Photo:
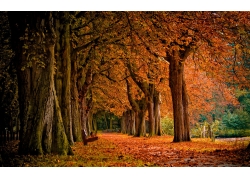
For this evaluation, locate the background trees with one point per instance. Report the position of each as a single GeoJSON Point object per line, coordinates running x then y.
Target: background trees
{"type": "Point", "coordinates": [8, 80]}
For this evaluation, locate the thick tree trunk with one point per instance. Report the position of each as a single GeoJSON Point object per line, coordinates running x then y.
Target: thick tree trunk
{"type": "Point", "coordinates": [186, 135]}
{"type": "Point", "coordinates": [63, 74]}
{"type": "Point", "coordinates": [127, 117]}
{"type": "Point", "coordinates": [179, 96]}
{"type": "Point", "coordinates": [151, 118]}
{"type": "Point", "coordinates": [130, 122]}
{"type": "Point", "coordinates": [137, 122]}
{"type": "Point", "coordinates": [60, 144]}
{"type": "Point", "coordinates": [40, 111]}
{"type": "Point", "coordinates": [142, 124]}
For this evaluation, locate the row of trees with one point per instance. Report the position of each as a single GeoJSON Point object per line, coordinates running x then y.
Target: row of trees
{"type": "Point", "coordinates": [71, 64]}
{"type": "Point", "coordinates": [8, 79]}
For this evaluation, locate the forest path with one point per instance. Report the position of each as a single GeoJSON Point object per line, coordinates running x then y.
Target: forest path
{"type": "Point", "coordinates": [119, 150]}
{"type": "Point", "coordinates": [160, 151]}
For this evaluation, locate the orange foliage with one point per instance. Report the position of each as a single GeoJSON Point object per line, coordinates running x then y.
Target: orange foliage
{"type": "Point", "coordinates": [206, 93]}
{"type": "Point", "coordinates": [217, 40]}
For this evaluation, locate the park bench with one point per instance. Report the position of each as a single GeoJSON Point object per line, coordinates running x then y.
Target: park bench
{"type": "Point", "coordinates": [87, 139]}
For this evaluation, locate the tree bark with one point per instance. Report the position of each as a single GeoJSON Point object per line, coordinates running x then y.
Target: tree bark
{"type": "Point", "coordinates": [123, 123]}
{"type": "Point", "coordinates": [132, 122]}
{"type": "Point", "coordinates": [157, 113]}
{"type": "Point", "coordinates": [83, 87]}
{"type": "Point", "coordinates": [75, 111]}
{"type": "Point", "coordinates": [179, 95]}
{"type": "Point", "coordinates": [137, 122]}
{"type": "Point", "coordinates": [151, 119]}
{"type": "Point", "coordinates": [185, 111]}
{"type": "Point", "coordinates": [142, 123]}
{"type": "Point", "coordinates": [148, 90]}
{"type": "Point", "coordinates": [63, 73]}
{"type": "Point", "coordinates": [139, 107]}
{"type": "Point", "coordinates": [149, 93]}
{"type": "Point", "coordinates": [128, 122]}
{"type": "Point", "coordinates": [40, 112]}
{"type": "Point", "coordinates": [90, 121]}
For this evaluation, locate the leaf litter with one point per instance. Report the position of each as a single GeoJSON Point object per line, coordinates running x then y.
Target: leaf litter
{"type": "Point", "coordinates": [119, 150]}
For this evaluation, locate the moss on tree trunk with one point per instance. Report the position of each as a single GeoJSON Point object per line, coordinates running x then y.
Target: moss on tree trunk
{"type": "Point", "coordinates": [63, 73]}
{"type": "Point", "coordinates": [33, 39]}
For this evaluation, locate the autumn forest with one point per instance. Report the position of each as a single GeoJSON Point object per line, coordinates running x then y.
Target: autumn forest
{"type": "Point", "coordinates": [124, 78]}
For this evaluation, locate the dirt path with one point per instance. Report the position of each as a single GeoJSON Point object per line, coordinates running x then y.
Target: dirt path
{"type": "Point", "coordinates": [234, 139]}
{"type": "Point", "coordinates": [199, 153]}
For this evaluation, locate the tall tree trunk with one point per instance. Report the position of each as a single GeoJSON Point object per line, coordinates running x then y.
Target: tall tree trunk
{"type": "Point", "coordinates": [151, 119]}
{"type": "Point", "coordinates": [84, 115]}
{"type": "Point", "coordinates": [185, 111]}
{"type": "Point", "coordinates": [90, 121]}
{"type": "Point", "coordinates": [149, 93]}
{"type": "Point", "coordinates": [40, 111]}
{"type": "Point", "coordinates": [88, 108]}
{"type": "Point", "coordinates": [137, 122]}
{"type": "Point", "coordinates": [83, 87]}
{"type": "Point", "coordinates": [157, 113]}
{"type": "Point", "coordinates": [142, 124]}
{"type": "Point", "coordinates": [63, 74]}
{"type": "Point", "coordinates": [179, 97]}
{"type": "Point", "coordinates": [132, 122]}
{"type": "Point", "coordinates": [148, 90]}
{"type": "Point", "coordinates": [128, 121]}
{"type": "Point", "coordinates": [139, 107]}
{"type": "Point", "coordinates": [75, 111]}
{"type": "Point", "coordinates": [60, 144]}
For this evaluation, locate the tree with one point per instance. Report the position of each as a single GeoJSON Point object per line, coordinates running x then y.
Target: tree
{"type": "Point", "coordinates": [139, 108]}
{"type": "Point", "coordinates": [63, 71]}
{"type": "Point", "coordinates": [93, 35]}
{"type": "Point", "coordinates": [33, 40]}
{"type": "Point", "coordinates": [9, 109]}
{"type": "Point", "coordinates": [174, 36]}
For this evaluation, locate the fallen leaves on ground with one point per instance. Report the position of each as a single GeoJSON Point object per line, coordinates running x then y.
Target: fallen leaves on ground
{"type": "Point", "coordinates": [117, 150]}
{"type": "Point", "coordinates": [161, 151]}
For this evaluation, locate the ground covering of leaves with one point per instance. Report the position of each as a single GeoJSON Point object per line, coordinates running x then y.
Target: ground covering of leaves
{"type": "Point", "coordinates": [114, 149]}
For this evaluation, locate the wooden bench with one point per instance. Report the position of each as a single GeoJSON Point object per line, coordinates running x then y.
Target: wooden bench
{"type": "Point", "coordinates": [87, 139]}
